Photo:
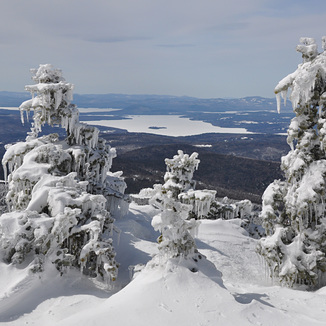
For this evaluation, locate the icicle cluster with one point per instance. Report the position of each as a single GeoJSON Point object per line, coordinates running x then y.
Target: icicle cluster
{"type": "Point", "coordinates": [200, 200]}
{"type": "Point", "coordinates": [90, 156]}
{"type": "Point", "coordinates": [306, 78]}
{"type": "Point", "coordinates": [294, 210]}
{"type": "Point", "coordinates": [227, 209]}
{"type": "Point", "coordinates": [180, 170]}
{"type": "Point", "coordinates": [180, 186]}
{"type": "Point", "coordinates": [61, 194]}
{"type": "Point", "coordinates": [62, 224]}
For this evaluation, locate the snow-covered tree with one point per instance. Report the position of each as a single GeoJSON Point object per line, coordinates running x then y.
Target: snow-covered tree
{"type": "Point", "coordinates": [293, 210]}
{"type": "Point", "coordinates": [179, 183]}
{"type": "Point", "coordinates": [227, 209]}
{"type": "Point", "coordinates": [61, 195]}
{"type": "Point", "coordinates": [177, 230]}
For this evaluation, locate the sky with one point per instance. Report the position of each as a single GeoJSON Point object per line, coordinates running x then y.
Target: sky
{"type": "Point", "coordinates": [205, 49]}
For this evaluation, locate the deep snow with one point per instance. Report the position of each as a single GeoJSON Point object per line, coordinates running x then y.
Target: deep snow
{"type": "Point", "coordinates": [230, 288]}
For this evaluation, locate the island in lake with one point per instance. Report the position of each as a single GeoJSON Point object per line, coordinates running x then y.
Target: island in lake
{"type": "Point", "coordinates": [156, 128]}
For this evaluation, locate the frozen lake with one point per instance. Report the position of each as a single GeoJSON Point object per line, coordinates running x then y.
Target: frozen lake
{"type": "Point", "coordinates": [168, 125]}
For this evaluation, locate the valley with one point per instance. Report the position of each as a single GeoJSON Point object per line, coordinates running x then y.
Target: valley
{"type": "Point", "coordinates": [237, 165]}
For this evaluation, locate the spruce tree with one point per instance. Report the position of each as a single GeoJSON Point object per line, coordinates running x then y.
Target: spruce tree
{"type": "Point", "coordinates": [61, 196]}
{"type": "Point", "coordinates": [177, 230]}
{"type": "Point", "coordinates": [293, 210]}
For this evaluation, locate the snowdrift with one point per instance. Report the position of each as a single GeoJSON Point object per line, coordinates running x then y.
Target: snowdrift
{"type": "Point", "coordinates": [229, 288]}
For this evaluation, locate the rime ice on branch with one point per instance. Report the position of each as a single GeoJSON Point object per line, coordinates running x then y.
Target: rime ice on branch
{"type": "Point", "coordinates": [61, 193]}
{"type": "Point", "coordinates": [178, 201]}
{"type": "Point", "coordinates": [294, 210]}
{"type": "Point", "coordinates": [181, 186]}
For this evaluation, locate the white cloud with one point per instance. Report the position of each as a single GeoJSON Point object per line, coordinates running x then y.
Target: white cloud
{"type": "Point", "coordinates": [202, 48]}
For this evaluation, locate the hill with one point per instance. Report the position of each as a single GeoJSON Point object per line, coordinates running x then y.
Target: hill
{"type": "Point", "coordinates": [232, 176]}
{"type": "Point", "coordinates": [155, 104]}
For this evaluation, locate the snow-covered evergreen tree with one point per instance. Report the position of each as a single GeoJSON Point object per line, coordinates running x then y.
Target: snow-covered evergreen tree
{"type": "Point", "coordinates": [293, 210]}
{"type": "Point", "coordinates": [179, 183]}
{"type": "Point", "coordinates": [228, 209]}
{"type": "Point", "coordinates": [177, 230]}
{"type": "Point", "coordinates": [61, 193]}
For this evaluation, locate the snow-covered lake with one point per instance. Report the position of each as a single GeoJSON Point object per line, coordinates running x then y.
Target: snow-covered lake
{"type": "Point", "coordinates": [8, 108]}
{"type": "Point", "coordinates": [168, 125]}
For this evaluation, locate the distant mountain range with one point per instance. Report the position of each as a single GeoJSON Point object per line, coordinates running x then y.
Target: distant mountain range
{"type": "Point", "coordinates": [157, 104]}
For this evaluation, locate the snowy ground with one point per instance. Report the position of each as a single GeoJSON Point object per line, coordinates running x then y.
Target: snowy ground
{"type": "Point", "coordinates": [230, 287]}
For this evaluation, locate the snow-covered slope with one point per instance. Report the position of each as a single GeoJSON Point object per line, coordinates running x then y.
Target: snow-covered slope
{"type": "Point", "coordinates": [229, 288]}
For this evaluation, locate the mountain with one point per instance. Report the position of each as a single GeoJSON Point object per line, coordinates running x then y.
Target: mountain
{"type": "Point", "coordinates": [13, 99]}
{"type": "Point", "coordinates": [165, 104]}
{"type": "Point", "coordinates": [156, 104]}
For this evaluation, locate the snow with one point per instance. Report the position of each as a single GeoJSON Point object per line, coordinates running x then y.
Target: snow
{"type": "Point", "coordinates": [230, 287]}
{"type": "Point", "coordinates": [58, 211]}
{"type": "Point", "coordinates": [293, 212]}
{"type": "Point", "coordinates": [202, 272]}
{"type": "Point", "coordinates": [170, 125]}
{"type": "Point", "coordinates": [301, 82]}
{"type": "Point", "coordinates": [8, 108]}
{"type": "Point", "coordinates": [103, 111]}
{"type": "Point", "coordinates": [247, 122]}
{"type": "Point", "coordinates": [207, 145]}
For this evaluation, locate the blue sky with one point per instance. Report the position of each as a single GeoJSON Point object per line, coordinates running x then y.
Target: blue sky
{"type": "Point", "coordinates": [207, 48]}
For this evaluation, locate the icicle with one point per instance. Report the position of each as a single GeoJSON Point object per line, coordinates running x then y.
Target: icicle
{"type": "Point", "coordinates": [284, 94]}
{"type": "Point", "coordinates": [57, 99]}
{"type": "Point", "coordinates": [5, 171]}
{"type": "Point", "coordinates": [278, 101]}
{"type": "Point", "coordinates": [71, 125]}
{"type": "Point", "coordinates": [10, 166]}
{"type": "Point", "coordinates": [69, 96]}
{"type": "Point", "coordinates": [22, 116]}
{"type": "Point", "coordinates": [131, 272]}
{"type": "Point", "coordinates": [316, 212]}
{"type": "Point", "coordinates": [77, 134]}
{"type": "Point", "coordinates": [49, 118]}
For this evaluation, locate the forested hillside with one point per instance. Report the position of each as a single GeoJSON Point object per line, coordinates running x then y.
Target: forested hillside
{"type": "Point", "coordinates": [232, 176]}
